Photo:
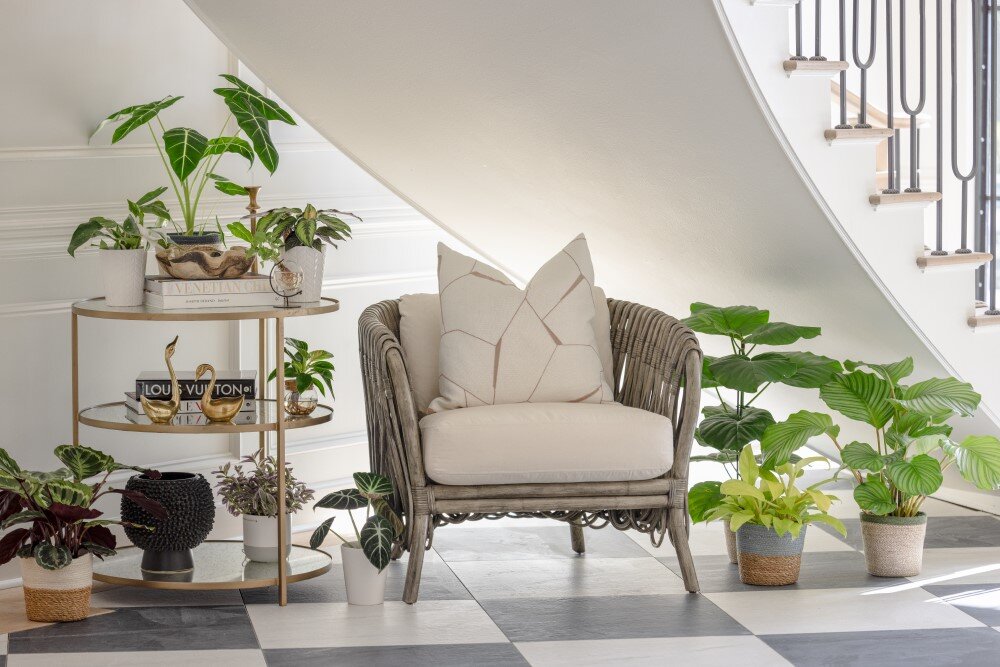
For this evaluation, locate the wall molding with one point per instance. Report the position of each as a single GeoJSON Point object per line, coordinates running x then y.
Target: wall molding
{"type": "Point", "coordinates": [137, 150]}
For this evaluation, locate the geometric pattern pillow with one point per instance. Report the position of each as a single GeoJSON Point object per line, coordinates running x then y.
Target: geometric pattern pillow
{"type": "Point", "coordinates": [503, 344]}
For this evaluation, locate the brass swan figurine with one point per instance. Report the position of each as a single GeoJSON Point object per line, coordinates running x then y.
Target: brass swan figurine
{"type": "Point", "coordinates": [216, 409]}
{"type": "Point", "coordinates": [161, 412]}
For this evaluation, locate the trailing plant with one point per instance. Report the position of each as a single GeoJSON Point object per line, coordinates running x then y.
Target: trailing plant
{"type": "Point", "coordinates": [770, 498]}
{"type": "Point", "coordinates": [382, 526]}
{"type": "Point", "coordinates": [190, 158]}
{"type": "Point", "coordinates": [309, 368]}
{"type": "Point", "coordinates": [53, 511]}
{"type": "Point", "coordinates": [912, 445]}
{"type": "Point", "coordinates": [132, 233]}
{"type": "Point", "coordinates": [255, 492]}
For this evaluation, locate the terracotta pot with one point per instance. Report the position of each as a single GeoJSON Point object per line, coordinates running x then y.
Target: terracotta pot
{"type": "Point", "coordinates": [55, 596]}
{"type": "Point", "coordinates": [894, 545]}
{"type": "Point", "coordinates": [767, 559]}
{"type": "Point", "coordinates": [365, 584]}
{"type": "Point", "coordinates": [730, 542]}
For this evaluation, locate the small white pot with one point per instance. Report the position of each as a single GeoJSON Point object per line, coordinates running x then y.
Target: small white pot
{"type": "Point", "coordinates": [365, 584]}
{"type": "Point", "coordinates": [124, 275]}
{"type": "Point", "coordinates": [260, 538]}
{"type": "Point", "coordinates": [311, 262]}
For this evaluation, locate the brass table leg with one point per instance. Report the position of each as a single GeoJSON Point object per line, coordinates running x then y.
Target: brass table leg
{"type": "Point", "coordinates": [279, 356]}
{"type": "Point", "coordinates": [75, 354]}
{"type": "Point", "coordinates": [262, 375]}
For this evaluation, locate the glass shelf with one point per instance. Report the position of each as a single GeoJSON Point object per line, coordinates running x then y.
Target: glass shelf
{"type": "Point", "coordinates": [217, 565]}
{"type": "Point", "coordinates": [99, 309]}
{"type": "Point", "coordinates": [116, 417]}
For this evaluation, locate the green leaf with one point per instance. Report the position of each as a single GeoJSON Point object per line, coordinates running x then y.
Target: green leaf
{"type": "Point", "coordinates": [812, 371]}
{"type": "Point", "coordinates": [346, 499]}
{"type": "Point", "coordinates": [67, 492]}
{"type": "Point", "coordinates": [743, 373]}
{"type": "Point", "coordinates": [892, 373]}
{"type": "Point", "coordinates": [837, 524]}
{"type": "Point", "coordinates": [140, 115]}
{"type": "Point", "coordinates": [185, 148]}
{"type": "Point", "coordinates": [322, 530]}
{"type": "Point", "coordinates": [270, 108]}
{"type": "Point", "coordinates": [874, 496]}
{"type": "Point", "coordinates": [703, 497]}
{"type": "Point", "coordinates": [781, 440]}
{"type": "Point", "coordinates": [252, 121]}
{"type": "Point", "coordinates": [919, 476]}
{"type": "Point", "coordinates": [226, 186]}
{"type": "Point", "coordinates": [724, 430]}
{"type": "Point", "coordinates": [150, 196]}
{"type": "Point", "coordinates": [781, 333]}
{"type": "Point", "coordinates": [733, 321]}
{"type": "Point", "coordinates": [24, 516]}
{"type": "Point", "coordinates": [84, 462]}
{"type": "Point", "coordinates": [373, 485]}
{"type": "Point", "coordinates": [84, 233]}
{"type": "Point", "coordinates": [724, 456]}
{"type": "Point", "coordinates": [234, 145]}
{"type": "Point", "coordinates": [8, 465]}
{"type": "Point", "coordinates": [860, 396]}
{"type": "Point", "coordinates": [383, 509]}
{"type": "Point", "coordinates": [98, 550]}
{"type": "Point", "coordinates": [240, 231]}
{"type": "Point", "coordinates": [747, 467]}
{"type": "Point", "coordinates": [939, 394]}
{"type": "Point", "coordinates": [978, 460]}
{"type": "Point", "coordinates": [377, 537]}
{"type": "Point", "coordinates": [739, 488]}
{"type": "Point", "coordinates": [708, 380]}
{"type": "Point", "coordinates": [862, 456]}
{"type": "Point", "coordinates": [924, 444]}
{"type": "Point", "coordinates": [52, 557]}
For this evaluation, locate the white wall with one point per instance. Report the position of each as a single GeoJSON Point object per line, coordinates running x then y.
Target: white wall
{"type": "Point", "coordinates": [66, 66]}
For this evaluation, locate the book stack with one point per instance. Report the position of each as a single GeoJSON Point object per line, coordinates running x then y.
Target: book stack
{"type": "Point", "coordinates": [249, 290]}
{"type": "Point", "coordinates": [156, 385]}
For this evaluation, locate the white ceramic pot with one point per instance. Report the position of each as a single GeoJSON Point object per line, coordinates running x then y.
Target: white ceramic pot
{"type": "Point", "coordinates": [365, 584]}
{"type": "Point", "coordinates": [260, 538]}
{"type": "Point", "coordinates": [311, 262]}
{"type": "Point", "coordinates": [53, 596]}
{"type": "Point", "coordinates": [124, 275]}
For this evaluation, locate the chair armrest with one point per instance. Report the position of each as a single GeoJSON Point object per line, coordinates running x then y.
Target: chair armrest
{"type": "Point", "coordinates": [657, 367]}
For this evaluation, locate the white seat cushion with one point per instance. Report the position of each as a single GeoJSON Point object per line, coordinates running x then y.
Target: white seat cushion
{"type": "Point", "coordinates": [543, 443]}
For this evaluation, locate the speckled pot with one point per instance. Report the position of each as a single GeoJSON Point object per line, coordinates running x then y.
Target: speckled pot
{"type": "Point", "coordinates": [894, 545]}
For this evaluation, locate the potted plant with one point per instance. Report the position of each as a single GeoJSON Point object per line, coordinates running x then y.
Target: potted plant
{"type": "Point", "coordinates": [254, 496]}
{"type": "Point", "coordinates": [306, 371]}
{"type": "Point", "coordinates": [300, 234]}
{"type": "Point", "coordinates": [736, 422]}
{"type": "Point", "coordinates": [769, 515]}
{"type": "Point", "coordinates": [912, 448]}
{"type": "Point", "coordinates": [366, 557]}
{"type": "Point", "coordinates": [55, 530]}
{"type": "Point", "coordinates": [122, 247]}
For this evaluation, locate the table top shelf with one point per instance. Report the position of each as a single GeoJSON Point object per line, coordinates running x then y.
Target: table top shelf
{"type": "Point", "coordinates": [99, 309]}
{"type": "Point", "coordinates": [115, 416]}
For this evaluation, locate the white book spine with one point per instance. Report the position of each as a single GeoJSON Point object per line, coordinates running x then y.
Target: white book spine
{"type": "Point", "coordinates": [202, 287]}
{"type": "Point", "coordinates": [212, 300]}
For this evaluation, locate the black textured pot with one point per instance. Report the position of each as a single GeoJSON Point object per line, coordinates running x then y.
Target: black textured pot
{"type": "Point", "coordinates": [190, 505]}
{"type": "Point", "coordinates": [198, 238]}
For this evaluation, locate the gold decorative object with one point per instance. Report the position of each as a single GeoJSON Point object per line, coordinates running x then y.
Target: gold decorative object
{"type": "Point", "coordinates": [203, 262]}
{"type": "Point", "coordinates": [161, 412]}
{"type": "Point", "coordinates": [216, 409]}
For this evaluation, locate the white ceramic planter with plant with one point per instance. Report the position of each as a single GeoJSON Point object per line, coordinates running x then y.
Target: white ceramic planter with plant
{"type": "Point", "coordinates": [366, 557]}
{"type": "Point", "coordinates": [253, 494]}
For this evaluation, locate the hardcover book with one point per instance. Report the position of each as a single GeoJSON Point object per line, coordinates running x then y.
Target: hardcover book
{"type": "Point", "coordinates": [248, 284]}
{"type": "Point", "coordinates": [190, 419]}
{"type": "Point", "coordinates": [187, 407]}
{"type": "Point", "coordinates": [248, 299]}
{"type": "Point", "coordinates": [156, 384]}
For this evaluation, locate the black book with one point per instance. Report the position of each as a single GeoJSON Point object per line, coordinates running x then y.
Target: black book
{"type": "Point", "coordinates": [156, 385]}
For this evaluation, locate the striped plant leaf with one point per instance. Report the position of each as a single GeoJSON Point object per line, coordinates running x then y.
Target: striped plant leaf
{"type": "Point", "coordinates": [933, 396]}
{"type": "Point", "coordinates": [346, 499]}
{"type": "Point", "coordinates": [860, 396]}
{"type": "Point", "coordinates": [812, 370]}
{"type": "Point", "coordinates": [185, 149]}
{"type": "Point", "coordinates": [254, 124]}
{"type": "Point", "coordinates": [227, 187]}
{"type": "Point", "coordinates": [377, 537]}
{"type": "Point", "coordinates": [862, 456]}
{"type": "Point", "coordinates": [141, 115]}
{"type": "Point", "coordinates": [52, 557]}
{"type": "Point", "coordinates": [893, 372]}
{"type": "Point", "coordinates": [734, 321]}
{"type": "Point", "coordinates": [233, 145]}
{"type": "Point", "coordinates": [723, 430]}
{"type": "Point", "coordinates": [383, 509]}
{"type": "Point", "coordinates": [66, 492]}
{"type": "Point", "coordinates": [270, 108]}
{"type": "Point", "coordinates": [919, 476]}
{"type": "Point", "coordinates": [24, 516]}
{"type": "Point", "coordinates": [8, 465]}
{"type": "Point", "coordinates": [978, 460]}
{"type": "Point", "coordinates": [373, 485]}
{"type": "Point", "coordinates": [318, 535]}
{"type": "Point", "coordinates": [874, 497]}
{"type": "Point", "coordinates": [781, 333]}
{"type": "Point", "coordinates": [84, 462]}
{"type": "Point", "coordinates": [747, 374]}
{"type": "Point", "coordinates": [781, 440]}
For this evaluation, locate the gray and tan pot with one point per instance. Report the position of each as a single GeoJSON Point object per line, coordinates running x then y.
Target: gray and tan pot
{"type": "Point", "coordinates": [894, 545]}
{"type": "Point", "coordinates": [730, 542]}
{"type": "Point", "coordinates": [767, 559]}
{"type": "Point", "coordinates": [57, 596]}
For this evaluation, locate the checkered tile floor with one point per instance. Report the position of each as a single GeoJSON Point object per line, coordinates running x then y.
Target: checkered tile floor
{"type": "Point", "coordinates": [513, 593]}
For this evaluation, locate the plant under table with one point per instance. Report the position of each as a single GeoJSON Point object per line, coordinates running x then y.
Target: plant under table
{"type": "Point", "coordinates": [218, 565]}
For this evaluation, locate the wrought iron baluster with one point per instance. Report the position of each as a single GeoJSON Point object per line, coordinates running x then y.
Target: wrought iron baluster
{"type": "Point", "coordinates": [964, 178]}
{"type": "Point", "coordinates": [818, 21]}
{"type": "Point", "coordinates": [798, 32]}
{"type": "Point", "coordinates": [863, 65]}
{"type": "Point", "coordinates": [893, 184]}
{"type": "Point", "coordinates": [992, 229]}
{"type": "Point", "coordinates": [843, 124]}
{"type": "Point", "coordinates": [916, 109]}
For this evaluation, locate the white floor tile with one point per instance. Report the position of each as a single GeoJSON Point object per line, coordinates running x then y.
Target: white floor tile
{"type": "Point", "coordinates": [973, 565]}
{"type": "Point", "coordinates": [745, 651]}
{"type": "Point", "coordinates": [839, 610]}
{"type": "Point", "coordinates": [557, 578]}
{"type": "Point", "coordinates": [3, 644]}
{"type": "Point", "coordinates": [935, 507]}
{"type": "Point", "coordinates": [314, 625]}
{"type": "Point", "coordinates": [241, 658]}
{"type": "Point", "coordinates": [707, 539]}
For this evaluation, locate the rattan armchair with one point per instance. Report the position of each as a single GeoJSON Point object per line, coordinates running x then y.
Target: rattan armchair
{"type": "Point", "coordinates": [657, 367]}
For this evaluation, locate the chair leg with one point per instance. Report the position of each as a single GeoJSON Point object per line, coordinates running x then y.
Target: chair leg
{"type": "Point", "coordinates": [418, 542]}
{"type": "Point", "coordinates": [576, 537]}
{"type": "Point", "coordinates": [677, 527]}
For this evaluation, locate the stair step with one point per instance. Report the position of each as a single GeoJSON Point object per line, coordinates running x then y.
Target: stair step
{"type": "Point", "coordinates": [857, 135]}
{"type": "Point", "coordinates": [904, 199]}
{"type": "Point", "coordinates": [813, 67]}
{"type": "Point", "coordinates": [953, 261]}
{"type": "Point", "coordinates": [983, 321]}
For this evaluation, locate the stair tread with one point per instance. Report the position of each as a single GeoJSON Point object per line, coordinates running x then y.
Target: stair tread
{"type": "Point", "coordinates": [814, 66]}
{"type": "Point", "coordinates": [857, 133]}
{"type": "Point", "coordinates": [971, 259]}
{"type": "Point", "coordinates": [983, 320]}
{"type": "Point", "coordinates": [882, 199]}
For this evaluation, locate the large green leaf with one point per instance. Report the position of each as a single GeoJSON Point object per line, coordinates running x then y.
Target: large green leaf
{"type": "Point", "coordinates": [862, 456]}
{"type": "Point", "coordinates": [227, 187]}
{"type": "Point", "coordinates": [919, 476]}
{"type": "Point", "coordinates": [860, 396]}
{"type": "Point", "coordinates": [812, 371]}
{"type": "Point", "coordinates": [702, 498]}
{"type": "Point", "coordinates": [185, 148]}
{"type": "Point", "coordinates": [781, 333]}
{"type": "Point", "coordinates": [708, 380]}
{"type": "Point", "coordinates": [743, 373]}
{"type": "Point", "coordinates": [346, 499]}
{"type": "Point", "coordinates": [139, 116]}
{"type": "Point", "coordinates": [24, 516]}
{"type": "Point", "coordinates": [84, 462]}
{"type": "Point", "coordinates": [893, 372]}
{"type": "Point", "coordinates": [874, 496]}
{"type": "Point", "coordinates": [373, 485]}
{"type": "Point", "coordinates": [978, 460]}
{"type": "Point", "coordinates": [318, 535]}
{"type": "Point", "coordinates": [735, 321]}
{"type": "Point", "coordinates": [52, 557]}
{"type": "Point", "coordinates": [384, 510]}
{"type": "Point", "coordinates": [270, 108]}
{"type": "Point", "coordinates": [377, 537]}
{"type": "Point", "coordinates": [84, 233]}
{"type": "Point", "coordinates": [67, 492]}
{"type": "Point", "coordinates": [738, 487]}
{"type": "Point", "coordinates": [233, 145]}
{"type": "Point", "coordinates": [254, 124]}
{"type": "Point", "coordinates": [722, 429]}
{"type": "Point", "coordinates": [782, 439]}
{"type": "Point", "coordinates": [8, 465]}
{"type": "Point", "coordinates": [940, 394]}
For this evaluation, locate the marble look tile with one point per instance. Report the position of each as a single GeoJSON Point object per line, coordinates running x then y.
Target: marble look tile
{"type": "Point", "coordinates": [840, 610]}
{"type": "Point", "coordinates": [13, 617]}
{"type": "Point", "coordinates": [968, 647]}
{"type": "Point", "coordinates": [707, 539]}
{"type": "Point", "coordinates": [460, 543]}
{"type": "Point", "coordinates": [143, 629]}
{"type": "Point", "coordinates": [130, 596]}
{"type": "Point", "coordinates": [3, 644]}
{"type": "Point", "coordinates": [443, 655]}
{"type": "Point", "coordinates": [216, 658]}
{"type": "Point", "coordinates": [746, 651]}
{"type": "Point", "coordinates": [981, 602]}
{"type": "Point", "coordinates": [618, 617]}
{"type": "Point", "coordinates": [567, 578]}
{"type": "Point", "coordinates": [317, 625]}
{"type": "Point", "coordinates": [960, 566]}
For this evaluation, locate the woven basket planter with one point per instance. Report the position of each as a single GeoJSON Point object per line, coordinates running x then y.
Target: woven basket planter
{"type": "Point", "coordinates": [767, 559]}
{"type": "Point", "coordinates": [730, 542]}
{"type": "Point", "coordinates": [894, 545]}
{"type": "Point", "coordinates": [55, 596]}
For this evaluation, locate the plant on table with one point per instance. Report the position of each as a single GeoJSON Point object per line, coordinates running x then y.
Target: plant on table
{"type": "Point", "coordinates": [132, 233]}
{"type": "Point", "coordinates": [306, 371]}
{"type": "Point", "coordinates": [255, 491]}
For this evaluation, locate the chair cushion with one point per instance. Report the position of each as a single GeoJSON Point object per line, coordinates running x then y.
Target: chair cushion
{"type": "Point", "coordinates": [420, 338]}
{"type": "Point", "coordinates": [542, 443]}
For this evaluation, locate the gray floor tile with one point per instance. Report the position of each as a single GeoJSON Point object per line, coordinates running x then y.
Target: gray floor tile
{"type": "Point", "coordinates": [461, 543]}
{"type": "Point", "coordinates": [980, 601]}
{"type": "Point", "coordinates": [970, 647]}
{"type": "Point", "coordinates": [143, 629]}
{"type": "Point", "coordinates": [130, 596]}
{"type": "Point", "coordinates": [554, 619]}
{"type": "Point", "coordinates": [943, 532]}
{"type": "Point", "coordinates": [443, 655]}
{"type": "Point", "coordinates": [437, 582]}
{"type": "Point", "coordinates": [820, 569]}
